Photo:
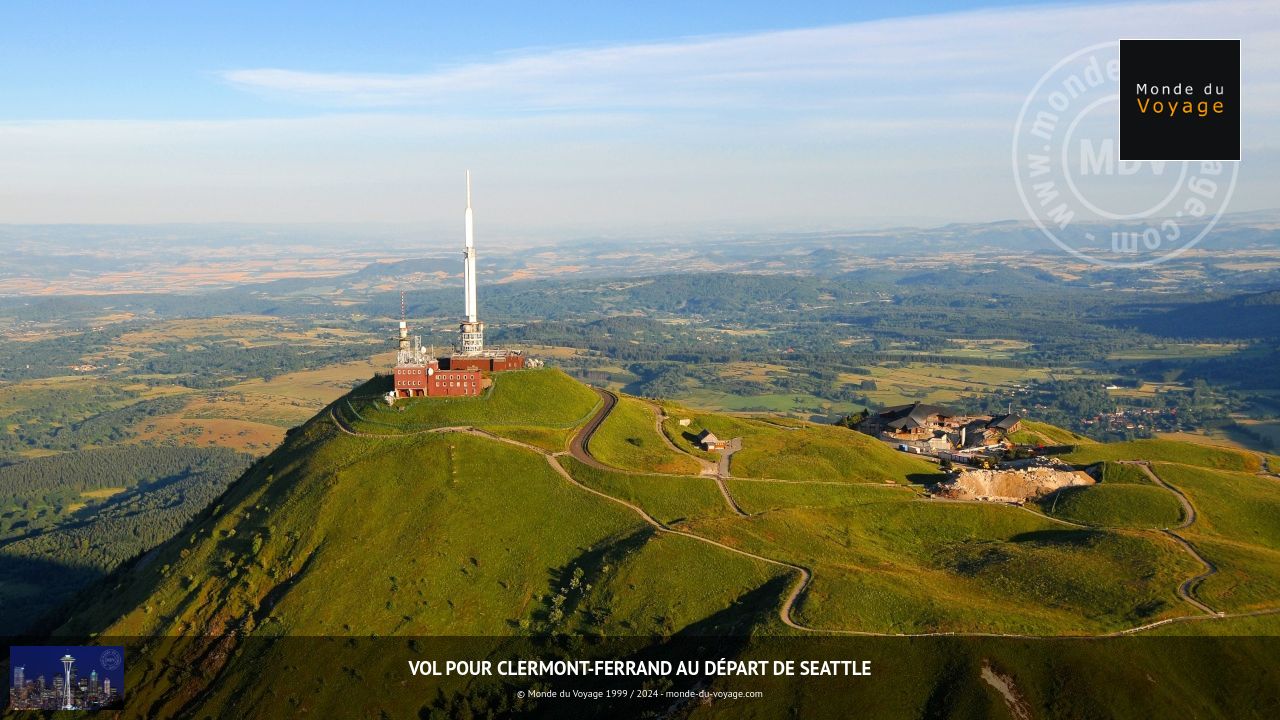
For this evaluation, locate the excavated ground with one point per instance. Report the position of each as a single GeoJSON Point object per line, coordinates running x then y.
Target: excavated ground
{"type": "Point", "coordinates": [1012, 486]}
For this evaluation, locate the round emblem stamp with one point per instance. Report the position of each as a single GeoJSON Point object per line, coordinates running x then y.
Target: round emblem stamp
{"type": "Point", "coordinates": [1082, 196]}
{"type": "Point", "coordinates": [110, 659]}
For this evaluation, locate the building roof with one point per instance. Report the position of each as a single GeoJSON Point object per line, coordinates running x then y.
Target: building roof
{"type": "Point", "coordinates": [1004, 422]}
{"type": "Point", "coordinates": [488, 353]}
{"type": "Point", "coordinates": [907, 417]}
{"type": "Point", "coordinates": [706, 436]}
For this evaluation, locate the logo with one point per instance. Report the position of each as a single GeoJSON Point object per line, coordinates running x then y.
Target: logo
{"type": "Point", "coordinates": [111, 659]}
{"type": "Point", "coordinates": [62, 677]}
{"type": "Point", "coordinates": [1083, 196]}
{"type": "Point", "coordinates": [1180, 99]}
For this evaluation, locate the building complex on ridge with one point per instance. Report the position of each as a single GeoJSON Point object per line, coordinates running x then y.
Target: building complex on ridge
{"type": "Point", "coordinates": [419, 373]}
{"type": "Point", "coordinates": [939, 431]}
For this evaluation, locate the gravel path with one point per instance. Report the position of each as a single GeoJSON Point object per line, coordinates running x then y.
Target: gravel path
{"type": "Point", "coordinates": [803, 574]}
{"type": "Point", "coordinates": [1188, 586]}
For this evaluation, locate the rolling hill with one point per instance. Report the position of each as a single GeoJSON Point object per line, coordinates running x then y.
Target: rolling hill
{"type": "Point", "coordinates": [490, 526]}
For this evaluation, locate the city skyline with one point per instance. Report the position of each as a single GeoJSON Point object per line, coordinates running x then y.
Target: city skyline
{"type": "Point", "coordinates": [37, 676]}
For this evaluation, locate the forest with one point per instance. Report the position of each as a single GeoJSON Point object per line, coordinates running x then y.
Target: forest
{"type": "Point", "coordinates": [42, 426]}
{"type": "Point", "coordinates": [68, 519]}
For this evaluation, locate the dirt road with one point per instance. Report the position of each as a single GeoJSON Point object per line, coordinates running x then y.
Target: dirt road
{"type": "Point", "coordinates": [1188, 586]}
{"type": "Point", "coordinates": [578, 445]}
{"type": "Point", "coordinates": [726, 457]}
{"type": "Point", "coordinates": [579, 448]}
{"type": "Point", "coordinates": [705, 466]}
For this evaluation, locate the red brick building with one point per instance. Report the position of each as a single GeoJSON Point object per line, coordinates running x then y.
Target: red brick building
{"type": "Point", "coordinates": [428, 380]}
{"type": "Point", "coordinates": [490, 361]}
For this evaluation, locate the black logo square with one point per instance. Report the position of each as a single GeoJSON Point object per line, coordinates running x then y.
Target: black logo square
{"type": "Point", "coordinates": [1179, 99]}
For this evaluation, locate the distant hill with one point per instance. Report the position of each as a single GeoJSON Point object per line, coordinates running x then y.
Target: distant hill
{"type": "Point", "coordinates": [1255, 315]}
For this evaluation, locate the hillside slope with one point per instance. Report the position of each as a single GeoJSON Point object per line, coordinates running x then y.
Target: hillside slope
{"type": "Point", "coordinates": [375, 533]}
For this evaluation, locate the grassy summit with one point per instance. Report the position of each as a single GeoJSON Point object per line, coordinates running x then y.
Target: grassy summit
{"type": "Point", "coordinates": [545, 398]}
{"type": "Point", "coordinates": [1173, 451]}
{"type": "Point", "coordinates": [403, 533]}
{"type": "Point", "coordinates": [540, 407]}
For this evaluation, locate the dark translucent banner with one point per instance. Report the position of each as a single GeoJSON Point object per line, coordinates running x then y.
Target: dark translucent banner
{"type": "Point", "coordinates": [426, 677]}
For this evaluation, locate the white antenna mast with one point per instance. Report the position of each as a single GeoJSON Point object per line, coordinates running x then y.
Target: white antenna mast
{"type": "Point", "coordinates": [469, 258]}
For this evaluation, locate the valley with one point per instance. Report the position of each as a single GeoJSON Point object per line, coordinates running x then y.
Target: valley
{"type": "Point", "coordinates": [576, 502]}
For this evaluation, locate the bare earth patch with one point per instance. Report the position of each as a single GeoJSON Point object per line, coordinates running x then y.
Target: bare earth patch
{"type": "Point", "coordinates": [1003, 684]}
{"type": "Point", "coordinates": [1012, 486]}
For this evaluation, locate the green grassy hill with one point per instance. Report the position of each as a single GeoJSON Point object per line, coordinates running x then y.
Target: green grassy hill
{"type": "Point", "coordinates": [412, 560]}
{"type": "Point", "coordinates": [1238, 529]}
{"type": "Point", "coordinates": [368, 527]}
{"type": "Point", "coordinates": [1168, 451]}
{"type": "Point", "coordinates": [627, 440]}
{"type": "Point", "coordinates": [1038, 433]}
{"type": "Point", "coordinates": [884, 558]}
{"type": "Point", "coordinates": [1115, 473]}
{"type": "Point", "coordinates": [1118, 505]}
{"type": "Point", "coordinates": [668, 499]}
{"type": "Point", "coordinates": [798, 450]}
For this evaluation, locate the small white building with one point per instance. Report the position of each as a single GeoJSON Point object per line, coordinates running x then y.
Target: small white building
{"type": "Point", "coordinates": [708, 441]}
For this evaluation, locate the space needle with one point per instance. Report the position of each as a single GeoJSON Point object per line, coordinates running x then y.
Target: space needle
{"type": "Point", "coordinates": [67, 663]}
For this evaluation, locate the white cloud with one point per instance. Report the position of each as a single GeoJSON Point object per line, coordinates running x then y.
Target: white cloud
{"type": "Point", "coordinates": [962, 55]}
{"type": "Point", "coordinates": [838, 126]}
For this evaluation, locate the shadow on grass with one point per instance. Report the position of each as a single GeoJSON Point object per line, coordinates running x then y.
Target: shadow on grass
{"type": "Point", "coordinates": [926, 478]}
{"type": "Point", "coordinates": [1074, 538]}
{"type": "Point", "coordinates": [746, 613]}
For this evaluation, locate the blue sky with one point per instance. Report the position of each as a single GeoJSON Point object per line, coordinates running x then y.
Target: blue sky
{"type": "Point", "coordinates": [576, 118]}
{"type": "Point", "coordinates": [147, 60]}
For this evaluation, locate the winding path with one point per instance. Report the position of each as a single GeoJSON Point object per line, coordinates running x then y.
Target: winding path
{"type": "Point", "coordinates": [578, 445]}
{"type": "Point", "coordinates": [579, 449]}
{"type": "Point", "coordinates": [1265, 469]}
{"type": "Point", "coordinates": [1188, 586]}
{"type": "Point", "coordinates": [717, 470]}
